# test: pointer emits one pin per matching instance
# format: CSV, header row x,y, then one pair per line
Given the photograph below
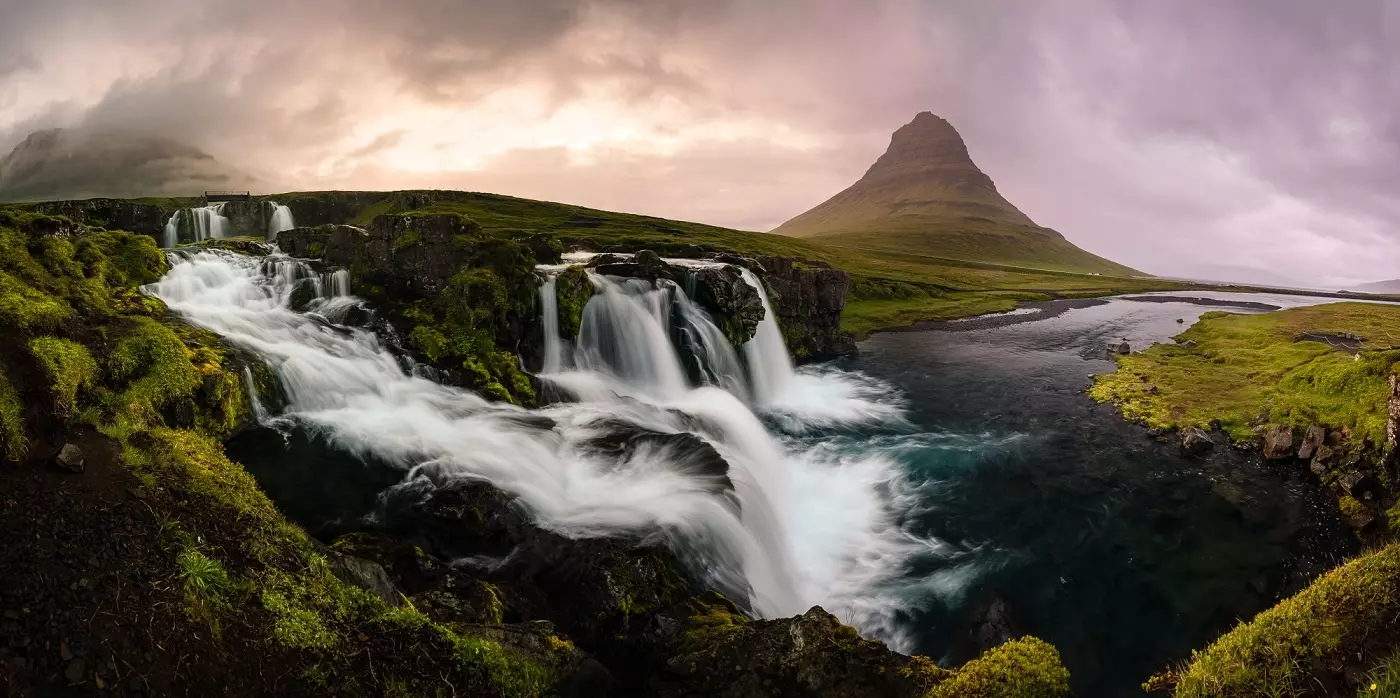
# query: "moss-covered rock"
x,y
69,367
573,290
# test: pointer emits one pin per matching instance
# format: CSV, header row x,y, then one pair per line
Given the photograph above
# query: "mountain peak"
x,y
925,195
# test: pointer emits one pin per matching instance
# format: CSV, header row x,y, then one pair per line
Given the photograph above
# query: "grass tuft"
x,y
69,367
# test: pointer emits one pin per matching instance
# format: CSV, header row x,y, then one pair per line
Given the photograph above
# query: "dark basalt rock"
x,y
808,298
1312,439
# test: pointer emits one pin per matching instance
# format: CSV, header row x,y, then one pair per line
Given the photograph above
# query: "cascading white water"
x,y
207,222
340,283
811,526
553,343
171,235
719,365
280,220
770,367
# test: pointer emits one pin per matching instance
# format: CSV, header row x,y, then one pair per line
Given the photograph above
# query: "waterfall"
x,y
280,220
770,367
171,235
714,355
805,524
553,343
339,283
624,336
259,412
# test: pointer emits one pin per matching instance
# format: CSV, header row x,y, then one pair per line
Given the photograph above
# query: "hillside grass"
x,y
1251,371
1346,617
978,240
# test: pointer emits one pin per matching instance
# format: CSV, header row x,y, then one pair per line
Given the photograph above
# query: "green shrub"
x,y
1024,668
69,367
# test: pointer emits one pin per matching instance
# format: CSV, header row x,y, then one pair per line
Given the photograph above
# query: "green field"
x,y
1247,372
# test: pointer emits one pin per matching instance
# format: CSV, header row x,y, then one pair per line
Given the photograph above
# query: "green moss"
x,y
407,240
122,259
1024,668
712,622
13,442
69,367
1247,366
156,364
27,309
1330,623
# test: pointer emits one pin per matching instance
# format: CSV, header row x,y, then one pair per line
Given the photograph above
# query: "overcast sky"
x,y
1181,137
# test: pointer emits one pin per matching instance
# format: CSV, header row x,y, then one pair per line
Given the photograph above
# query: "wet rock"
x,y
734,305
1312,439
1195,441
1278,443
69,458
1180,321
1120,348
366,575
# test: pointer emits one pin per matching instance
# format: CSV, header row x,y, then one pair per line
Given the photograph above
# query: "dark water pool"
x,y
1103,541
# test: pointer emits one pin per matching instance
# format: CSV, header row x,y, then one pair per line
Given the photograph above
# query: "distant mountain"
x,y
79,164
925,196
1388,287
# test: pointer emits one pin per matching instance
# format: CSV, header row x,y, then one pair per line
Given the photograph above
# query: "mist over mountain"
x,y
84,163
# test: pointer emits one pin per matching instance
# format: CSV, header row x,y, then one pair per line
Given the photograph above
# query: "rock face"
x,y
808,298
112,214
416,254
1278,443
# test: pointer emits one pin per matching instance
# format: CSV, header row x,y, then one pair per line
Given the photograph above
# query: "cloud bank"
x,y
1247,137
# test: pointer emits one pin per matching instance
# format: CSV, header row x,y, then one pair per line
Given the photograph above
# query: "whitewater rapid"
x,y
805,525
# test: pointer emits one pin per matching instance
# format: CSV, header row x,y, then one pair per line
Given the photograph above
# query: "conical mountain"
x,y
926,196
82,163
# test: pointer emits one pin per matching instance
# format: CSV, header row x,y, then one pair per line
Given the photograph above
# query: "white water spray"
x,y
770,367
804,526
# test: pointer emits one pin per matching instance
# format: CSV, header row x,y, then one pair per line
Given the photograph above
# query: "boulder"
x,y
1120,348
1322,459
1278,443
1312,439
1189,344
1195,441
1355,513
69,458
366,575
735,305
